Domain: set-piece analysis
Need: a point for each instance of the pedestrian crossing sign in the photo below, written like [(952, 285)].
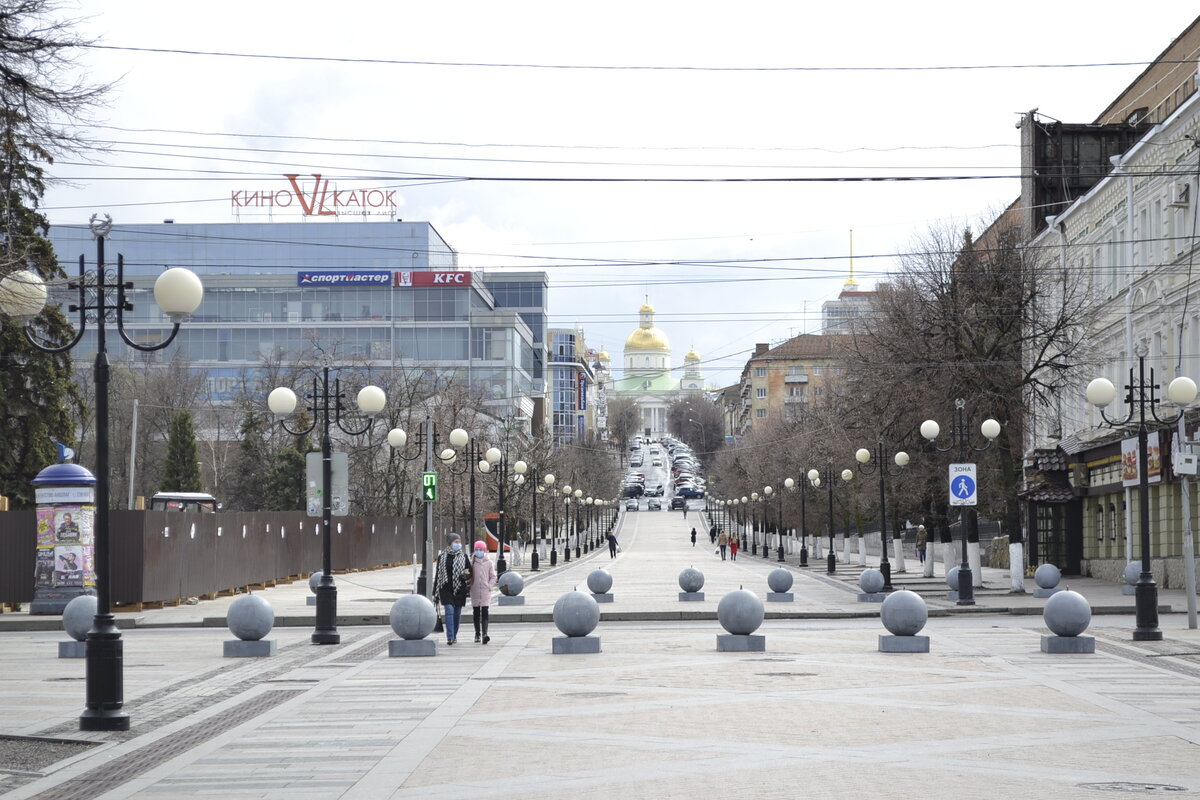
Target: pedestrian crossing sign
[(962, 485), (429, 486)]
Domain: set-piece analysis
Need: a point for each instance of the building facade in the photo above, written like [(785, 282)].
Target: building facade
[(572, 386), (779, 382)]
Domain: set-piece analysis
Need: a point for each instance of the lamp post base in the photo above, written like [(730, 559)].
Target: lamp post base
[(803, 556), (885, 567), (966, 585), (105, 690), (326, 631), (533, 560), (1146, 602), (779, 552), (831, 562), (553, 558)]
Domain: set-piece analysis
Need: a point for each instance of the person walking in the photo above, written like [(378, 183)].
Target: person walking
[(452, 583), (483, 579), (712, 534), (922, 540), (685, 509), (612, 545), (693, 537), (733, 546), (723, 543)]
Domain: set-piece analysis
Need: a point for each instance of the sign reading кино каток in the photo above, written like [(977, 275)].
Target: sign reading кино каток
[(320, 199)]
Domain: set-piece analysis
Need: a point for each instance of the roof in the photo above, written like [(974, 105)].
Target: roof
[(807, 345)]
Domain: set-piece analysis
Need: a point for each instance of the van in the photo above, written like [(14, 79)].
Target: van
[(184, 501)]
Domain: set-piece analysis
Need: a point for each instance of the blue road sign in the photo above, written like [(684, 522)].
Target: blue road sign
[(962, 485)]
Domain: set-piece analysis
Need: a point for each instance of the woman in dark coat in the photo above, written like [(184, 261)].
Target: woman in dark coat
[(452, 583)]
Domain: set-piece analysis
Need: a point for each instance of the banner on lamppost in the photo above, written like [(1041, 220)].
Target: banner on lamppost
[(1129, 460)]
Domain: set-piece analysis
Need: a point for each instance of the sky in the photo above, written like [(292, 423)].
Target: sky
[(544, 105)]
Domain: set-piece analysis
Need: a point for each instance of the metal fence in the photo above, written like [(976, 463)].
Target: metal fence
[(162, 556)]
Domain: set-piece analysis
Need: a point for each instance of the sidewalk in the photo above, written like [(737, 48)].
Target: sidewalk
[(659, 713)]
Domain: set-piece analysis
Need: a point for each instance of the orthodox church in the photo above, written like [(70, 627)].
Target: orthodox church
[(648, 377)]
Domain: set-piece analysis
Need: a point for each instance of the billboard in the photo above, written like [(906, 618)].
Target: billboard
[(344, 277), (433, 278)]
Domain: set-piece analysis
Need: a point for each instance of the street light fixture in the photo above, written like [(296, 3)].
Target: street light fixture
[(1139, 394), (494, 460), (815, 476), (23, 294), (960, 437), (867, 467), (578, 495), (566, 490), (549, 480), (327, 409)]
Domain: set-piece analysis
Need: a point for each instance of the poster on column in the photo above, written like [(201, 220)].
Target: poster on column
[(65, 556), (1129, 460)]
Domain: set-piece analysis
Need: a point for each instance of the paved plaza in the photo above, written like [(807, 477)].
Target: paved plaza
[(658, 713)]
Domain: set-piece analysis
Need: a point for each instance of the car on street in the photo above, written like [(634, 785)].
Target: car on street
[(654, 504), (677, 503), (632, 490), (631, 505), (655, 491), (690, 492)]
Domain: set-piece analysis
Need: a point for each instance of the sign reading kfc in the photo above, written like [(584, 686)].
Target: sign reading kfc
[(433, 278)]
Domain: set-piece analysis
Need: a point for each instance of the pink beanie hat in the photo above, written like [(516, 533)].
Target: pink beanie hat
[(480, 546)]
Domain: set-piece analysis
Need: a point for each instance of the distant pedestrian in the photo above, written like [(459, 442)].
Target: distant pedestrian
[(483, 578), (733, 547), (685, 509), (452, 584), (922, 540), (712, 534), (613, 547), (693, 537), (722, 543)]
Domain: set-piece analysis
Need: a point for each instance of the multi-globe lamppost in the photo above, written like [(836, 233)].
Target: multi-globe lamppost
[(178, 292), (815, 475), (791, 485), (1140, 393), (327, 409), (867, 467), (768, 491), (960, 437), (566, 490), (494, 462), (426, 441)]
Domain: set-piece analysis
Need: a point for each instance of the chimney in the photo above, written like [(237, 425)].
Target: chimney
[(761, 348)]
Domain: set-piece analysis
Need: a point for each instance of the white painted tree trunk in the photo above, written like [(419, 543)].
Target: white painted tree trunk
[(976, 566), (862, 550), (948, 560), (898, 553), (1016, 567), (927, 567), (845, 549)]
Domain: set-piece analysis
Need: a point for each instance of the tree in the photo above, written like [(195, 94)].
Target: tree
[(181, 472), (40, 101), (699, 422), (623, 421), (248, 484)]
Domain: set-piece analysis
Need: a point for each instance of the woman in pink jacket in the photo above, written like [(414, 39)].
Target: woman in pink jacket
[(483, 578)]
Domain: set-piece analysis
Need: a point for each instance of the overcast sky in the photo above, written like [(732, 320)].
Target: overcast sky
[(607, 244)]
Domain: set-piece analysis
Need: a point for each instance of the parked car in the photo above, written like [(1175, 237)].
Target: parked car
[(656, 462), (654, 504), (655, 491), (690, 492), (677, 503), (632, 490), (631, 505)]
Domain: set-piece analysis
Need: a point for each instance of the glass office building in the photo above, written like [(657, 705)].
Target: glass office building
[(385, 294)]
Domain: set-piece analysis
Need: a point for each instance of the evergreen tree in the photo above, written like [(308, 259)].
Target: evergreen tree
[(181, 472), (285, 489), (39, 101), (249, 483)]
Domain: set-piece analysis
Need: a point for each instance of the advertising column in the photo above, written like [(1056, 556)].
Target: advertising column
[(65, 564)]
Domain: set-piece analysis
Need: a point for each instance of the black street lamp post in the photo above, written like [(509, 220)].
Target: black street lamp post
[(178, 292), (768, 491), (960, 438), (867, 467), (566, 490), (816, 477), (791, 485), (1140, 393), (550, 500), (327, 409), (496, 462)]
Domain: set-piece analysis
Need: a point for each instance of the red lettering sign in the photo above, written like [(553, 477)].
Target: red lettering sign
[(433, 278)]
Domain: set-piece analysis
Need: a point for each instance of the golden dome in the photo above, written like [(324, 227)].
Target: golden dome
[(692, 355), (647, 339), (604, 356), (646, 307)]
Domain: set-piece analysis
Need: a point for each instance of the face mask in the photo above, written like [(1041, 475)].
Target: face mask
[(480, 554), (456, 546)]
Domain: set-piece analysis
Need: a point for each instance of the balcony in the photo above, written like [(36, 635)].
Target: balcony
[(795, 379)]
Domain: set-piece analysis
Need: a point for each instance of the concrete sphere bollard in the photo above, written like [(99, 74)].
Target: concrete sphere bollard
[(250, 617), (314, 580), (576, 614), (903, 613), (599, 581), (77, 616), (1067, 613), (412, 617), (780, 580), (870, 581), (511, 584), (952, 578), (740, 612), (1047, 576), (691, 580), (1133, 571)]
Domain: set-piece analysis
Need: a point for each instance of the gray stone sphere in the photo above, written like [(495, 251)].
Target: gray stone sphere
[(576, 614), (780, 580), (77, 616), (1133, 571), (740, 612), (1047, 576), (599, 581), (313, 580), (870, 581), (691, 580), (903, 613), (250, 617), (412, 616), (952, 578), (511, 584), (1067, 613)]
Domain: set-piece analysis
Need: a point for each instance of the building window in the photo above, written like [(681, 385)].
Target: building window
[(816, 370), (795, 372), (816, 391), (795, 391), (760, 392), (760, 372), (760, 413)]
